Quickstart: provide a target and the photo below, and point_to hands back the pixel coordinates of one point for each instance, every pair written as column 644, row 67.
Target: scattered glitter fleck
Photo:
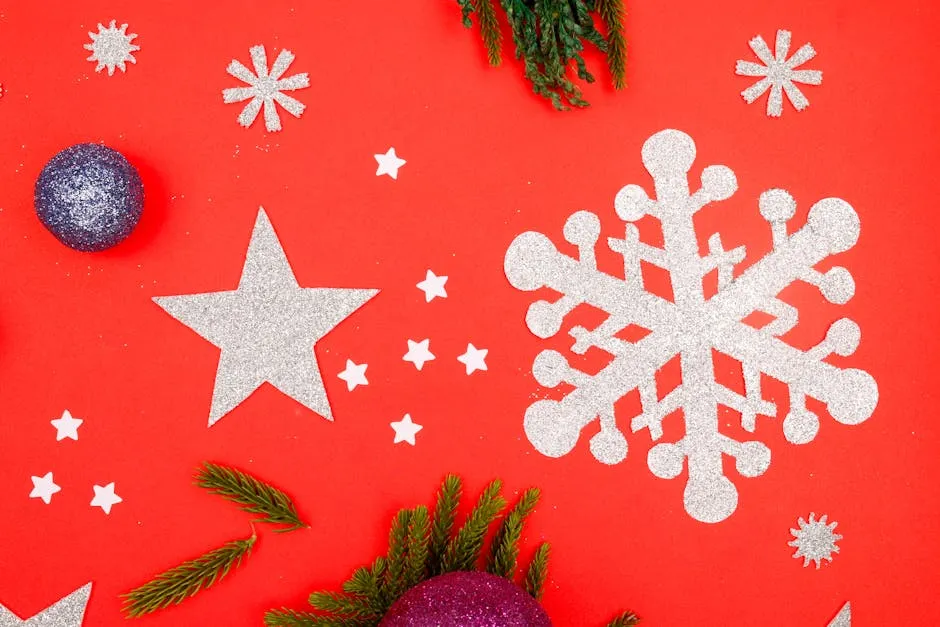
column 815, row 540
column 265, row 88
column 689, row 325
column 778, row 74
column 466, row 599
column 267, row 327
column 67, row 612
column 111, row 47
column 89, row 196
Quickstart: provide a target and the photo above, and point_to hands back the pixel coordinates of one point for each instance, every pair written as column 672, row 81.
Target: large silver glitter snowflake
column 265, row 88
column 778, row 73
column 815, row 540
column 690, row 326
column 111, row 47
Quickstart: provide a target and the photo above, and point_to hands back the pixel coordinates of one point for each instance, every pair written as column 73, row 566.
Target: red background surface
column 486, row 161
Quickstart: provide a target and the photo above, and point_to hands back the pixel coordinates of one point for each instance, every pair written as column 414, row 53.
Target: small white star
column 389, row 163
column 418, row 353
column 66, row 426
column 105, row 497
column 354, row 374
column 432, row 286
column 474, row 358
column 44, row 488
column 405, row 430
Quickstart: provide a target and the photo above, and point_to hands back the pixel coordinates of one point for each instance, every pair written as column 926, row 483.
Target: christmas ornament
column 423, row 579
column 690, row 326
column 778, row 73
column 89, row 196
column 548, row 36
column 466, row 599
column 815, row 540
column 267, row 327
column 68, row 611
column 111, row 47
column 265, row 88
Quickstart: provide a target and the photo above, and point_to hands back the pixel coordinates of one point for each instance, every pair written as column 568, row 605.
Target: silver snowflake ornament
column 778, row 73
column 111, row 47
column 690, row 326
column 265, row 88
column 815, row 540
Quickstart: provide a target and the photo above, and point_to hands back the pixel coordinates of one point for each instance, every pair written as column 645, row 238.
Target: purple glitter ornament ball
column 466, row 599
column 89, row 196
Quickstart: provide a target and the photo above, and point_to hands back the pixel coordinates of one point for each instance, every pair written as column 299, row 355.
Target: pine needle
column 627, row 619
column 504, row 552
column 254, row 495
column 445, row 513
column 344, row 605
column 177, row 584
column 612, row 12
column 397, row 556
column 538, row 572
column 289, row 618
column 489, row 26
column 418, row 536
column 464, row 549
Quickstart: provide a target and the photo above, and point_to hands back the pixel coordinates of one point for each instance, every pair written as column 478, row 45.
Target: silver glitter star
column 267, row 327
column 67, row 612
column 815, row 541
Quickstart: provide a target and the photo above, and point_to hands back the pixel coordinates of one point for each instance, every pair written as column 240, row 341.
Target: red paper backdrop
column 486, row 161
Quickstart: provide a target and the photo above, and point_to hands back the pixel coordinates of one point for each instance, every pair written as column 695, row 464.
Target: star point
column 69, row 611
column 433, row 286
column 43, row 488
column 105, row 497
column 474, row 358
column 389, row 163
column 354, row 375
column 419, row 353
column 267, row 327
column 66, row 426
column 405, row 430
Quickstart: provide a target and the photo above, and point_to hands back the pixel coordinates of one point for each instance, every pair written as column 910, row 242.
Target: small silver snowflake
column 815, row 540
column 111, row 47
column 265, row 88
column 778, row 73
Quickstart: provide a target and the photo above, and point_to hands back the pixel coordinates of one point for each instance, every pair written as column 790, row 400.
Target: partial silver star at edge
column 267, row 327
column 68, row 611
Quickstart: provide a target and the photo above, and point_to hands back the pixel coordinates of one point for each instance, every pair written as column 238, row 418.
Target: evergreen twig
column 489, row 27
column 627, row 619
column 397, row 556
column 612, row 12
column 504, row 552
column 538, row 572
column 285, row 617
column 464, row 549
column 418, row 529
column 445, row 513
column 253, row 495
column 173, row 586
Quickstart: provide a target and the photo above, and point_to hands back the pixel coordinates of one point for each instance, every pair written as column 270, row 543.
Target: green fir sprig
column 538, row 572
column 177, row 584
column 549, row 37
column 627, row 619
column 253, row 495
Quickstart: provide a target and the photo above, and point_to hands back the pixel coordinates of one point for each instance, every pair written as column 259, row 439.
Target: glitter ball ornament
column 89, row 196
column 466, row 599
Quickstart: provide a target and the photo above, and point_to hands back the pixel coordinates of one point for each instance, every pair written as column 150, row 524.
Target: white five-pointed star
column 474, row 358
column 43, row 488
column 432, row 286
column 105, row 497
column 66, row 426
column 418, row 353
column 389, row 163
column 354, row 374
column 405, row 430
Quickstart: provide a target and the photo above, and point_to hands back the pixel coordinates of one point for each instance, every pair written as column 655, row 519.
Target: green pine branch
column 253, row 495
column 289, row 618
column 627, row 619
column 538, row 572
column 445, row 513
column 464, row 549
column 612, row 12
column 419, row 529
column 397, row 558
column 489, row 27
column 177, row 584
column 504, row 552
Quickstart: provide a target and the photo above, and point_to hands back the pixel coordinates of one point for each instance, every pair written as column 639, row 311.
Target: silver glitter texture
column 67, row 612
column 265, row 88
column 267, row 327
column 843, row 618
column 815, row 540
column 690, row 326
column 111, row 47
column 89, row 196
column 778, row 73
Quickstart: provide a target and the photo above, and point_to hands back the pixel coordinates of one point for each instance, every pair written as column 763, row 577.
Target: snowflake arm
column 265, row 88
column 778, row 74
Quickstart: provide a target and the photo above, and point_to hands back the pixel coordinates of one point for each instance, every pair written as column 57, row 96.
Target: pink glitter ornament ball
column 466, row 599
